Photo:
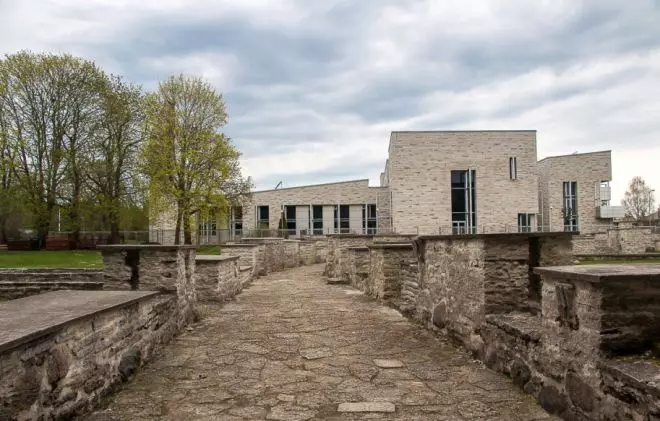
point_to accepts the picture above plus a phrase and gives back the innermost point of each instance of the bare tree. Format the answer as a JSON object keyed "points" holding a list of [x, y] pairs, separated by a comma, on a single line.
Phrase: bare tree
{"points": [[638, 199]]}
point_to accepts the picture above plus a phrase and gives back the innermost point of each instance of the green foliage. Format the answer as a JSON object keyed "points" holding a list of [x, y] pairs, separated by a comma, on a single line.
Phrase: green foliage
{"points": [[50, 259], [188, 162]]}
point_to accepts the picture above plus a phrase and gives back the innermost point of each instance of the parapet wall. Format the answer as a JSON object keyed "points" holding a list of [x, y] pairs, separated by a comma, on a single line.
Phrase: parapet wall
{"points": [[67, 350], [18, 283], [580, 339], [218, 278], [624, 240], [337, 262]]}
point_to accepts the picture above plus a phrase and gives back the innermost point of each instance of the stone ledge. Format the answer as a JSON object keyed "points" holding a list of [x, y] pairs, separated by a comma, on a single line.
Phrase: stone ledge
{"points": [[603, 273], [358, 248], [349, 236], [59, 271], [240, 245], [638, 373], [525, 326], [391, 246], [151, 247], [244, 268], [498, 235], [214, 258], [27, 319], [92, 285]]}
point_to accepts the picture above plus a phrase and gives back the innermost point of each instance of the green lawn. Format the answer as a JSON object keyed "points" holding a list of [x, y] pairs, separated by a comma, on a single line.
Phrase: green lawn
{"points": [[208, 250], [620, 262], [51, 259]]}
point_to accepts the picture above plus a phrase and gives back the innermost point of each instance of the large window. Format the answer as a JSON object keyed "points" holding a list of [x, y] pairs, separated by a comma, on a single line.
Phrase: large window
{"points": [[369, 219], [463, 202], [290, 216], [342, 219], [513, 168], [262, 217], [570, 208], [317, 219], [237, 220], [525, 222]]}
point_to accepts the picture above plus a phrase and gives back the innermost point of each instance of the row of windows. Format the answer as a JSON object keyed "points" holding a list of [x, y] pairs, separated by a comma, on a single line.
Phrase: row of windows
{"points": [[341, 218]]}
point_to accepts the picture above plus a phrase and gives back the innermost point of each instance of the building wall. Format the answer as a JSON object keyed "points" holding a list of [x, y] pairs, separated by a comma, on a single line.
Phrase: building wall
{"points": [[356, 193], [419, 174], [588, 170]]}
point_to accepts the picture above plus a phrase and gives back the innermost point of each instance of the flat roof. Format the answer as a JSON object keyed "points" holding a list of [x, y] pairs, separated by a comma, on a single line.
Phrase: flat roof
{"points": [[314, 185], [576, 154], [465, 131]]}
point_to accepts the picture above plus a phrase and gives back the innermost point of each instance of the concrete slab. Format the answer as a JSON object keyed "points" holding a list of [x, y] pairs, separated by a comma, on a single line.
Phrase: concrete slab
{"points": [[366, 407], [388, 363], [28, 318]]}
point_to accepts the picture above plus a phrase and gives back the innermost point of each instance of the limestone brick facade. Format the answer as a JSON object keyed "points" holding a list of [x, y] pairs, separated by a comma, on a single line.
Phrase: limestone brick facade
{"points": [[355, 194], [588, 170], [419, 176]]}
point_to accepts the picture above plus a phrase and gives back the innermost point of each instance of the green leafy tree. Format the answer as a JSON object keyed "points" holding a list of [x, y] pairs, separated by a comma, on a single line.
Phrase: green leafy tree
{"points": [[638, 199], [189, 163], [114, 153], [49, 103]]}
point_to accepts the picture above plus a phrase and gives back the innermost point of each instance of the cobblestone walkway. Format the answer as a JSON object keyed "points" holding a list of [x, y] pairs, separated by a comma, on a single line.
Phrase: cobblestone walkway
{"points": [[293, 348]]}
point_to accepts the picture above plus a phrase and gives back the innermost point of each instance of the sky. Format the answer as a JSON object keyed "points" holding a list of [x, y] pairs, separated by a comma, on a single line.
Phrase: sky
{"points": [[314, 89]]}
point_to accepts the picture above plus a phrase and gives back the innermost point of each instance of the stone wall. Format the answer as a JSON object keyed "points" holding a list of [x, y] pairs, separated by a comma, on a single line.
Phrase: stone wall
{"points": [[562, 357], [336, 265], [628, 240], [291, 257], [312, 251], [79, 347], [217, 278], [386, 271], [248, 255], [168, 269], [23, 282], [359, 267], [19, 289], [464, 278]]}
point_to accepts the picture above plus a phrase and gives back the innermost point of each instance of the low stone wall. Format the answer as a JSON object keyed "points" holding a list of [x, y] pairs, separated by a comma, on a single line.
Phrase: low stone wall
{"points": [[617, 257], [336, 265], [358, 267], [589, 314], [67, 350], [168, 269], [217, 278], [251, 255], [464, 278], [20, 289], [23, 282], [624, 240], [388, 261]]}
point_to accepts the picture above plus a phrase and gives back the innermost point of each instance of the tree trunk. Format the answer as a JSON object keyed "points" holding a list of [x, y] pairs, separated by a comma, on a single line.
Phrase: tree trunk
{"points": [[114, 219], [177, 230], [187, 234]]}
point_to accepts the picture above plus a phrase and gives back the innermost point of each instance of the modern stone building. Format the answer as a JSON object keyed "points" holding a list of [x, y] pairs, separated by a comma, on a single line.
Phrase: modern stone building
{"points": [[442, 182], [575, 194]]}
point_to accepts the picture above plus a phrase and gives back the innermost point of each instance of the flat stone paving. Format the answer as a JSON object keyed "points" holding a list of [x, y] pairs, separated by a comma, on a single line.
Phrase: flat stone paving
{"points": [[293, 348]]}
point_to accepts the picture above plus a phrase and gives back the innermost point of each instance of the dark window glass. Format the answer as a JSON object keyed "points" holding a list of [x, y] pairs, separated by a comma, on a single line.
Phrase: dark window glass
{"points": [[290, 212]]}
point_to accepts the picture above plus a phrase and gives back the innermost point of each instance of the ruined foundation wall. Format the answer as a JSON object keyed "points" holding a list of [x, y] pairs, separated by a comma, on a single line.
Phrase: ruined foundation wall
{"points": [[388, 264], [337, 265], [217, 278], [18, 283], [72, 368]]}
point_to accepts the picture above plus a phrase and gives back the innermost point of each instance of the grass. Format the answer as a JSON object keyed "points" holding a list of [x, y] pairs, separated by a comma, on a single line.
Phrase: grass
{"points": [[620, 262], [208, 250], [51, 259]]}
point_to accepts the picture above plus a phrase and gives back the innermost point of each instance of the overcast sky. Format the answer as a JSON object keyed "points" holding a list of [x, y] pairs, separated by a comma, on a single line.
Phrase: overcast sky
{"points": [[314, 88]]}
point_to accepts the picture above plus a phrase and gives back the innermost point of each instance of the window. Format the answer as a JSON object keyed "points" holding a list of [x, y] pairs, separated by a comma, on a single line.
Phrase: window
{"points": [[369, 219], [344, 219], [513, 168], [237, 220], [263, 217], [290, 216], [570, 206], [463, 202], [317, 220], [525, 222]]}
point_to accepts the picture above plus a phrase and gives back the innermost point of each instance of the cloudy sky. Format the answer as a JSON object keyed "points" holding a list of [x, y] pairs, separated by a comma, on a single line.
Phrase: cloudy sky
{"points": [[314, 88]]}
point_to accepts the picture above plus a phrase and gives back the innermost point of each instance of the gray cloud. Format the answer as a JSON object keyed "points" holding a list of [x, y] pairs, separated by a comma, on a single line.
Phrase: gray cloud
{"points": [[314, 88]]}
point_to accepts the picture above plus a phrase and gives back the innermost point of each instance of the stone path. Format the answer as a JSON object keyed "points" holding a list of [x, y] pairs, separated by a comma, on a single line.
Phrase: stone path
{"points": [[293, 348]]}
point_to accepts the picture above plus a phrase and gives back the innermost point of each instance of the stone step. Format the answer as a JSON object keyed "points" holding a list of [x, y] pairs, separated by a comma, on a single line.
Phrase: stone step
{"points": [[336, 281], [366, 407]]}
